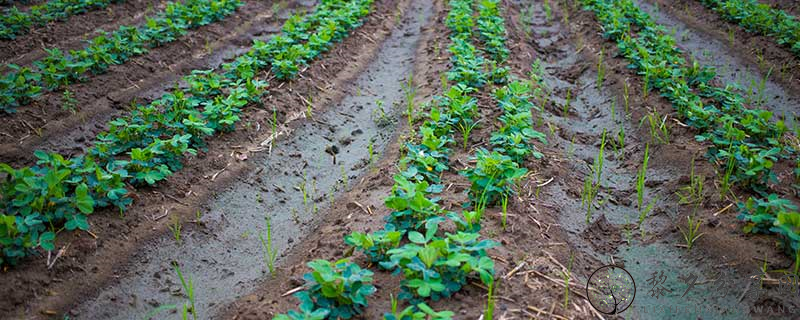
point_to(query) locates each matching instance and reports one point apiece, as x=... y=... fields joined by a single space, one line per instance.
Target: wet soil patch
x=47 y=125
x=765 y=75
x=92 y=261
x=71 y=33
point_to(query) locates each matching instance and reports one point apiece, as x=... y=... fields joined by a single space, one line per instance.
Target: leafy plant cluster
x=333 y=290
x=142 y=148
x=435 y=264
x=14 y=22
x=760 y=18
x=496 y=172
x=491 y=27
x=59 y=70
x=745 y=142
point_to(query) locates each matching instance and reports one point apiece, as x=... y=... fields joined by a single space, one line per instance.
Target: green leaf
x=83 y=200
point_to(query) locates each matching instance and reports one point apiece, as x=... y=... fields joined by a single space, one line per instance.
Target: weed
x=659 y=131
x=640 y=180
x=566 y=275
x=188 y=286
x=465 y=127
x=693 y=193
x=591 y=186
x=504 y=206
x=69 y=102
x=548 y=12
x=175 y=227
x=691 y=234
x=626 y=96
x=488 y=313
x=565 y=110
x=270 y=253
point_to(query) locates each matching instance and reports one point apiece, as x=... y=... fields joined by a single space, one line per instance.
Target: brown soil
x=747 y=45
x=536 y=244
x=90 y=263
x=532 y=238
x=45 y=125
x=70 y=34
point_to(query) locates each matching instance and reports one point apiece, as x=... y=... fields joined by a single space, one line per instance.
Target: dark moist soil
x=227 y=249
x=71 y=33
x=533 y=240
x=723 y=249
x=746 y=47
x=89 y=263
x=46 y=125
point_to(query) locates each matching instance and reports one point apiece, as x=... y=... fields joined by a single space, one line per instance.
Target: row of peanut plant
x=58 y=70
x=762 y=19
x=745 y=142
x=149 y=144
x=435 y=263
x=14 y=22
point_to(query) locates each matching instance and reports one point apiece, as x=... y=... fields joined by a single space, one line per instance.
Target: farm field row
x=402 y=159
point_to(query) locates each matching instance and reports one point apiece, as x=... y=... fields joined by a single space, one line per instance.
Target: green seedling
x=591 y=186
x=466 y=127
x=693 y=193
x=731 y=37
x=548 y=13
x=69 y=103
x=188 y=287
x=488 y=313
x=659 y=131
x=626 y=96
x=621 y=140
x=371 y=152
x=504 y=206
x=640 y=181
x=691 y=234
x=175 y=227
x=566 y=275
x=270 y=253
x=345 y=180
x=565 y=111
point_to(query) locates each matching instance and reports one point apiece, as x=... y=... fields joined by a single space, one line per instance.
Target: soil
x=747 y=61
x=46 y=125
x=123 y=268
x=71 y=33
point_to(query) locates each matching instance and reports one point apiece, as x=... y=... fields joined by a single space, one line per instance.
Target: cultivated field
x=399 y=159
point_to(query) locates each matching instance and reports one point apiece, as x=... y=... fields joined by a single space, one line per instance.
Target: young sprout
x=466 y=127
x=565 y=111
x=270 y=254
x=188 y=286
x=626 y=96
x=691 y=234
x=489 y=311
x=548 y=12
x=641 y=177
x=175 y=227
x=69 y=102
x=601 y=69
x=693 y=193
x=566 y=275
x=504 y=206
